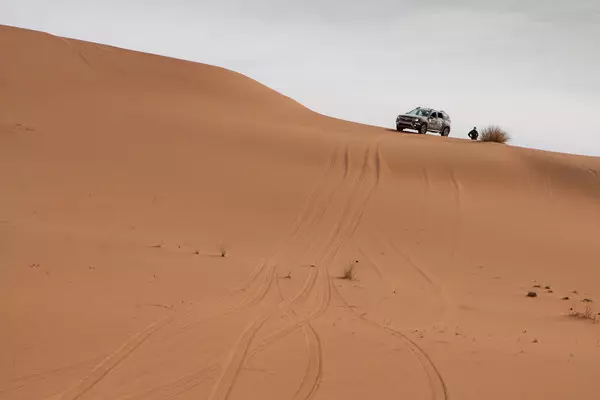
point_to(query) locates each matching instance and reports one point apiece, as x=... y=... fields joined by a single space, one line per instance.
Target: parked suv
x=425 y=120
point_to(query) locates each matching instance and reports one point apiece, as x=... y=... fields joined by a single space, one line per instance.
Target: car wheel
x=423 y=129
x=446 y=131
x=399 y=128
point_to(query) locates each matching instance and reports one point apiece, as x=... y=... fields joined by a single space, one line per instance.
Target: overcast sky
x=530 y=66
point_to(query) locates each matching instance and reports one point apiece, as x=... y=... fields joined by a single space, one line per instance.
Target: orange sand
x=122 y=174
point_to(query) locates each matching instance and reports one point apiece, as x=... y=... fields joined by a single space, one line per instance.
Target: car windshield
x=420 y=112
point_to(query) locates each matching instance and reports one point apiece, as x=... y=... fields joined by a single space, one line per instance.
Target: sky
x=529 y=66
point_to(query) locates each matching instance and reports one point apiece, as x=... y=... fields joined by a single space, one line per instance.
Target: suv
x=424 y=120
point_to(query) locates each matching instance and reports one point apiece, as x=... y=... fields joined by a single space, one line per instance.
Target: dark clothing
x=474 y=134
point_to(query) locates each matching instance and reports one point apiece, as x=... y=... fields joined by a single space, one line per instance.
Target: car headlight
x=417 y=119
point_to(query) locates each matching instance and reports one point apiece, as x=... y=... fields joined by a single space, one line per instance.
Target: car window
x=435 y=115
x=421 y=112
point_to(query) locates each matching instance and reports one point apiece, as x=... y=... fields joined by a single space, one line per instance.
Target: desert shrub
x=223 y=250
x=586 y=313
x=494 y=133
x=349 y=272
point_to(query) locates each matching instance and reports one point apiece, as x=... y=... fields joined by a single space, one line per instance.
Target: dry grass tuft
x=350 y=272
x=222 y=250
x=494 y=133
x=587 y=314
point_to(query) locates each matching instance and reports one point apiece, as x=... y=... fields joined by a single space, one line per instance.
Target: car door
x=435 y=122
x=445 y=120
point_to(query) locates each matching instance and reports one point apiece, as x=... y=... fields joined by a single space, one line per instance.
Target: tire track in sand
x=113 y=360
x=267 y=267
x=312 y=377
x=175 y=388
x=307 y=210
x=341 y=231
x=239 y=353
x=437 y=385
x=328 y=197
x=353 y=209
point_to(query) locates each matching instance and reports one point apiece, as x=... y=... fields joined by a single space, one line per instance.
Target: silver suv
x=425 y=120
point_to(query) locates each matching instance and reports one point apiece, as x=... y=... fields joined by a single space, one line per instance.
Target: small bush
x=494 y=134
x=587 y=313
x=222 y=250
x=349 y=272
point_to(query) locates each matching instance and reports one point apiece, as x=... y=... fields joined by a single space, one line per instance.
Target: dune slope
x=172 y=230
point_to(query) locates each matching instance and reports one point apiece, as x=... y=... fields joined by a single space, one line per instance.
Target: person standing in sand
x=474 y=134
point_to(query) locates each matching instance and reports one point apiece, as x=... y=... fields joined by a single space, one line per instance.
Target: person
x=474 y=134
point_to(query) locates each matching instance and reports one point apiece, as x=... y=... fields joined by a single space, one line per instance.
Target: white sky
x=530 y=66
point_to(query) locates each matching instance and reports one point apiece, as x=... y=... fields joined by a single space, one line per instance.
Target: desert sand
x=173 y=230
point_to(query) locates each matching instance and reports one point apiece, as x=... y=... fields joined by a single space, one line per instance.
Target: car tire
x=423 y=128
x=399 y=128
x=446 y=131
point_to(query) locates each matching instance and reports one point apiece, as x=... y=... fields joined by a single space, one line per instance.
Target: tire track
x=378 y=162
x=334 y=241
x=435 y=289
x=18 y=383
x=346 y=162
x=246 y=303
x=437 y=385
x=312 y=377
x=77 y=50
x=239 y=353
x=222 y=389
x=343 y=228
x=330 y=196
x=262 y=291
x=175 y=388
x=458 y=212
x=322 y=306
x=349 y=223
x=113 y=360
x=414 y=266
x=308 y=208
x=375 y=265
x=267 y=268
x=267 y=264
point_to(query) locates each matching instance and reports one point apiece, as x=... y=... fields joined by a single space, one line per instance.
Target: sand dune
x=123 y=175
